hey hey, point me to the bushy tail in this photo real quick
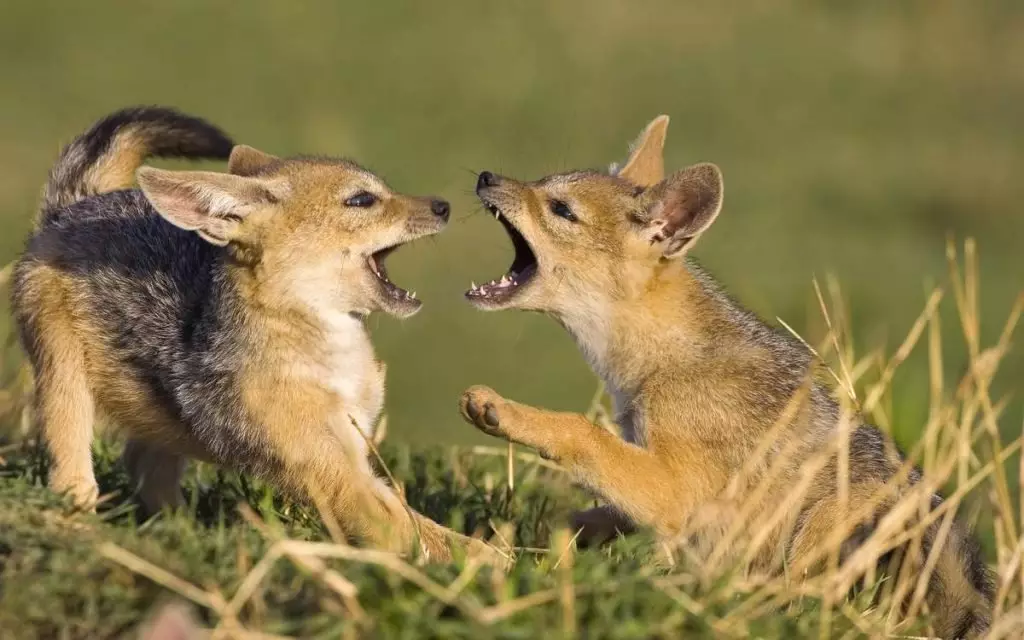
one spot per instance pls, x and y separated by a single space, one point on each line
105 157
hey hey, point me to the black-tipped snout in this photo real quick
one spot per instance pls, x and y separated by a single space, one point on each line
441 209
486 179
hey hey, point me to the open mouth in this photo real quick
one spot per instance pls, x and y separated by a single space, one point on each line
376 264
523 269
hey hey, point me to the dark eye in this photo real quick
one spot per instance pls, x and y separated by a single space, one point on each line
362 199
562 210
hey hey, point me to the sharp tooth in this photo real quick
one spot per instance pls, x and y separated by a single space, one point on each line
497 214
472 285
504 280
413 295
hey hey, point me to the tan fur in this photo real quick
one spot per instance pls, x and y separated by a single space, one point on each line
698 383
646 164
116 169
64 402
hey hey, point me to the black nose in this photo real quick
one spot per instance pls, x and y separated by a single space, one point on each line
440 208
486 179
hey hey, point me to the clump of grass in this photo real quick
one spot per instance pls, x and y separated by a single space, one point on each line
254 565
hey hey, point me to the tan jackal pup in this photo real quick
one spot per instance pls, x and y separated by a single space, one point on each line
698 381
218 316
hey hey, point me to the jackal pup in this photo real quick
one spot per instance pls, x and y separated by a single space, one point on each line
697 381
218 316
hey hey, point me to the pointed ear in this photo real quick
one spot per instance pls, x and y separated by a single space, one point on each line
247 161
645 166
683 207
214 205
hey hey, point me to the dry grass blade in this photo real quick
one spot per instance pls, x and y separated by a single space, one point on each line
510 468
753 464
466 576
565 548
382 431
331 579
160 576
935 387
252 580
1007 576
562 547
848 389
524 456
1020 592
924 579
940 462
847 380
391 562
875 394
498 612
394 484
862 559
981 371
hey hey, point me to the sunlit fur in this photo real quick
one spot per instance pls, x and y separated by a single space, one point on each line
216 316
698 383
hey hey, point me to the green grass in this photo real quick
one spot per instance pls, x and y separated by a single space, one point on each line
55 580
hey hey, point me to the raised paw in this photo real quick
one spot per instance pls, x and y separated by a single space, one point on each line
481 407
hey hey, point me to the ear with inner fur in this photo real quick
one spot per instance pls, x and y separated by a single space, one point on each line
248 161
645 166
684 206
211 204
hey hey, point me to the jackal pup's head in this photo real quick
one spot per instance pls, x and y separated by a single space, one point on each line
314 230
588 235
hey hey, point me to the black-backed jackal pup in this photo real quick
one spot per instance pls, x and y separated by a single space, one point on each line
218 316
698 382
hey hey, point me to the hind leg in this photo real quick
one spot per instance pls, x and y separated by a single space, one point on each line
600 524
156 474
829 529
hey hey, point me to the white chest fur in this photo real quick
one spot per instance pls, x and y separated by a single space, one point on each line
348 368
591 334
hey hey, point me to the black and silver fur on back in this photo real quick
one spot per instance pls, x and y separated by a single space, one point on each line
160 303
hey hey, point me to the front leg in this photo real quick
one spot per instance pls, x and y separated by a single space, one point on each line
156 473
657 488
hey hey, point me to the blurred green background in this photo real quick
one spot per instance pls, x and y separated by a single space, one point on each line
853 137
